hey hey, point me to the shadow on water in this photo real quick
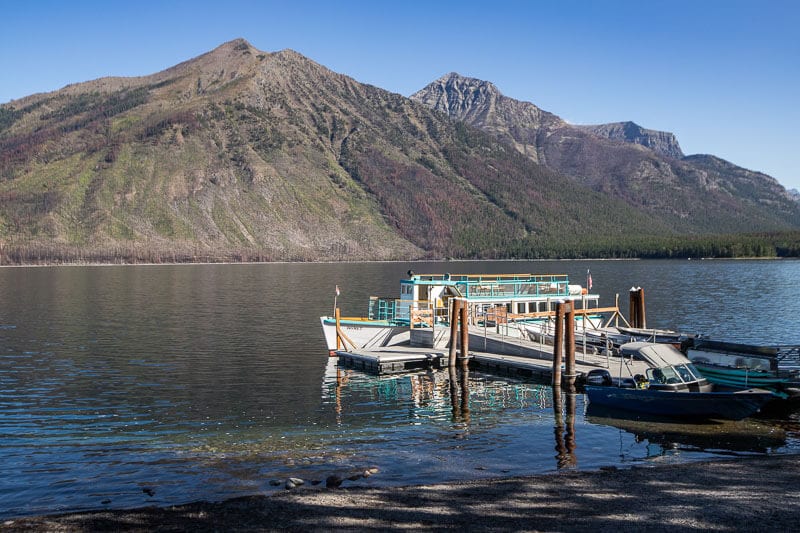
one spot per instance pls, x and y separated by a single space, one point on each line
724 437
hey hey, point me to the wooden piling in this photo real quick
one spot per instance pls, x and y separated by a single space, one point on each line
454 314
338 315
569 344
342 340
633 307
558 344
464 335
641 312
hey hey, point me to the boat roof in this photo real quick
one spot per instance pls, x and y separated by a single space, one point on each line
655 354
452 279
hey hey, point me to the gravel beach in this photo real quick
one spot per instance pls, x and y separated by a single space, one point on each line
747 494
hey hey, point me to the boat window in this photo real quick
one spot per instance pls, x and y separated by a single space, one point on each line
685 373
696 373
664 374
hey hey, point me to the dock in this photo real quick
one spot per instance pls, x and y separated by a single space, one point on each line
503 347
495 353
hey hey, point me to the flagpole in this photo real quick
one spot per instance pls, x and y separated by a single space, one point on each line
335 296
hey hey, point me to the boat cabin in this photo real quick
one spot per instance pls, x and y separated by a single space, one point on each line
514 295
669 370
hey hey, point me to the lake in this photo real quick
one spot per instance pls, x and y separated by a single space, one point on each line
126 386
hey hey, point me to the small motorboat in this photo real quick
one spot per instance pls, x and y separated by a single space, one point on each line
672 387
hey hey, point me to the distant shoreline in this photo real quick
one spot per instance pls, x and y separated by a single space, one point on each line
410 261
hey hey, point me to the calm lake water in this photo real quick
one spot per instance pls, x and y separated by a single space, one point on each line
156 385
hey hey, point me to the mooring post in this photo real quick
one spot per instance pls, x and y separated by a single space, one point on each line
558 344
569 344
464 335
641 313
338 315
633 307
454 314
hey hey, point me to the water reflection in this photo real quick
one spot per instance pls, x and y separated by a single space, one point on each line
459 395
565 433
207 381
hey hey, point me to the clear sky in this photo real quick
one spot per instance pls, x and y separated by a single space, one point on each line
723 75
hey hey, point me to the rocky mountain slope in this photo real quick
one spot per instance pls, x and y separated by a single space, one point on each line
240 154
661 142
249 155
644 168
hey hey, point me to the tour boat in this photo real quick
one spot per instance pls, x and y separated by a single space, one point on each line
424 303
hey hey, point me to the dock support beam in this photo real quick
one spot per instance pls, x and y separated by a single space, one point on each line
464 335
638 317
558 344
455 313
569 344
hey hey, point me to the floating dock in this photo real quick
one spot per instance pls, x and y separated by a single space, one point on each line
495 353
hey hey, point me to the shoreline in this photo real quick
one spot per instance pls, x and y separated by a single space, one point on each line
377 261
752 493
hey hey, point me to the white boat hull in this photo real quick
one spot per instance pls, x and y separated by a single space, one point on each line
365 334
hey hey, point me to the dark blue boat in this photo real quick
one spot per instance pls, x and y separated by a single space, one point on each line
693 405
672 387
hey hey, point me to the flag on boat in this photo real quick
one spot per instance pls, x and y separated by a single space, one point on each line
337 290
588 279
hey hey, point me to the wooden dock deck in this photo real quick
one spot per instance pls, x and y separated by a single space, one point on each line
494 353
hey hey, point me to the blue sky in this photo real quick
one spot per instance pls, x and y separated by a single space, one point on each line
723 75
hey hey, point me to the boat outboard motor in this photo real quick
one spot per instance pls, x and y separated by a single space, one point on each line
598 376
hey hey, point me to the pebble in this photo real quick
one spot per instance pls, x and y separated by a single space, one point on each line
333 482
297 481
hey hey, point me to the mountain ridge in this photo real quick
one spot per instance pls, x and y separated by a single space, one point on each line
644 167
240 154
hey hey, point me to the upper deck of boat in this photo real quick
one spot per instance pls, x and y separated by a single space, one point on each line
507 286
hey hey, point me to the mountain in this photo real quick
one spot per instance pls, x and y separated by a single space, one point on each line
240 154
661 142
644 168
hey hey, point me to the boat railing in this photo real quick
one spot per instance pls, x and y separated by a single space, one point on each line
477 289
501 285
414 313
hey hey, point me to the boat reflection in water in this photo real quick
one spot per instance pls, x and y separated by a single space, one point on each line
500 424
664 435
454 425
